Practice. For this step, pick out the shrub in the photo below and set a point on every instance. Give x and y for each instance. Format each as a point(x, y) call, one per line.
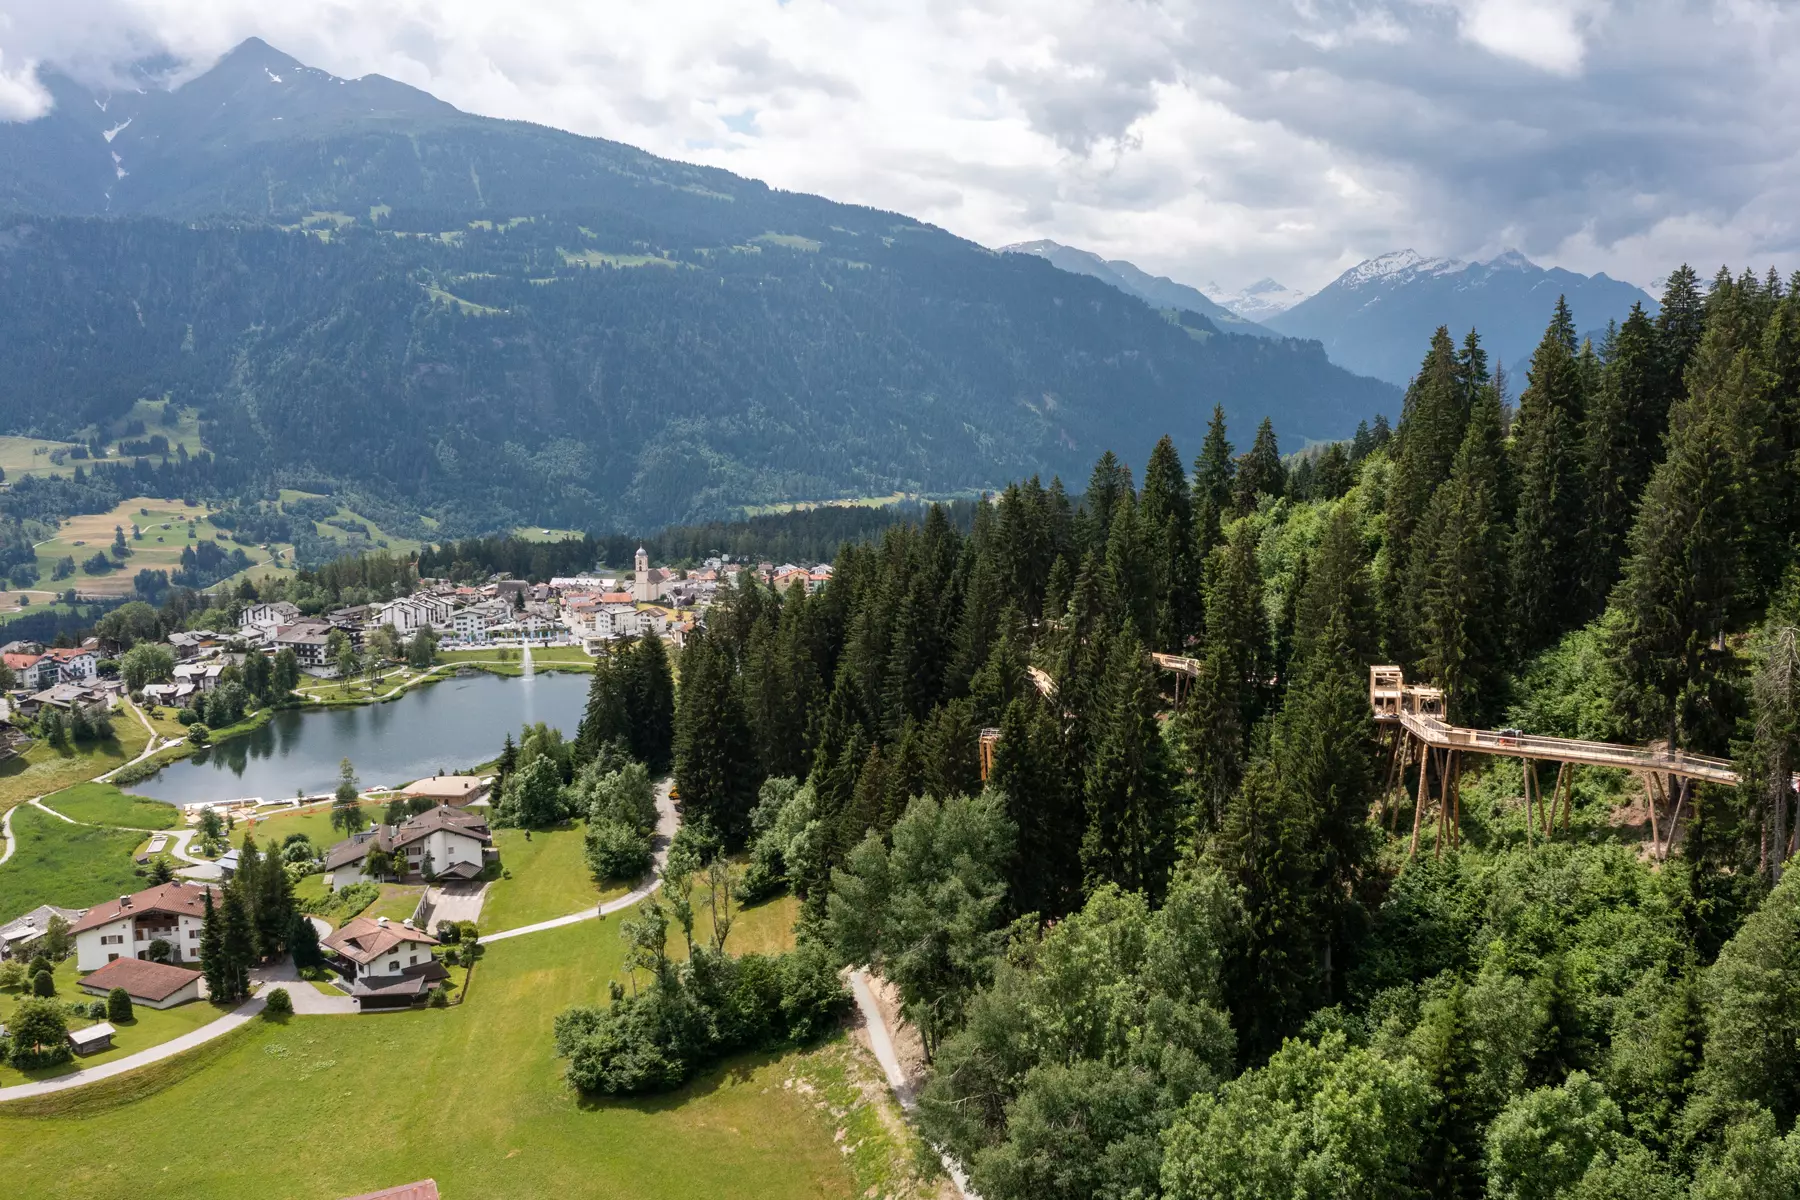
point(448, 932)
point(468, 931)
point(278, 1004)
point(186, 716)
point(95, 1011)
point(708, 1007)
point(40, 1035)
point(159, 951)
point(43, 983)
point(440, 996)
point(118, 1005)
point(198, 733)
point(12, 975)
point(615, 850)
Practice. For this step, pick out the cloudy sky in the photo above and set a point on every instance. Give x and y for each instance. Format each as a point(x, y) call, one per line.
point(1223, 140)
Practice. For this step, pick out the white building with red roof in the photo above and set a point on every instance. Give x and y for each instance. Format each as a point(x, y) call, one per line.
point(126, 927)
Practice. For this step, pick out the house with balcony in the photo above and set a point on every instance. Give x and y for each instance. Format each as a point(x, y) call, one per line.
point(442, 843)
point(387, 965)
point(129, 926)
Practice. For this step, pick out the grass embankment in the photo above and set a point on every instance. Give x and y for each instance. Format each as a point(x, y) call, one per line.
point(104, 804)
point(44, 768)
point(550, 878)
point(314, 821)
point(148, 1026)
point(486, 1066)
point(71, 866)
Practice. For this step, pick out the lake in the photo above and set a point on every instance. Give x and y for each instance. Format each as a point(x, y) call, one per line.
point(453, 725)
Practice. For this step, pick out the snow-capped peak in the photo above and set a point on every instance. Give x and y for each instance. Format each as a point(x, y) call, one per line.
point(1398, 264)
point(1510, 259)
point(1264, 298)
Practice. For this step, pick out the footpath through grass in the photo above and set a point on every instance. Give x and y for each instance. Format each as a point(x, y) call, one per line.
point(148, 1026)
point(323, 1107)
point(104, 804)
point(71, 866)
point(44, 768)
point(550, 878)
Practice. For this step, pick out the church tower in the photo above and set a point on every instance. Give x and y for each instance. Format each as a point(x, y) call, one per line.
point(640, 580)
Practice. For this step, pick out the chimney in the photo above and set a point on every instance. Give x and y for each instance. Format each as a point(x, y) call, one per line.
point(381, 921)
point(124, 901)
point(408, 923)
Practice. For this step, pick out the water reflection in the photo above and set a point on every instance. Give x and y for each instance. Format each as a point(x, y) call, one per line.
point(450, 725)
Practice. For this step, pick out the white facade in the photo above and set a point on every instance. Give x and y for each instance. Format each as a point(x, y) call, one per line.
point(127, 937)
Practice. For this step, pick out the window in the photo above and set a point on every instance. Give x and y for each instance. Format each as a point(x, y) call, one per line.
point(193, 934)
point(111, 957)
point(112, 939)
point(413, 961)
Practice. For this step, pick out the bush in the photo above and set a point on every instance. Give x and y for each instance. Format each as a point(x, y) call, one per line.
point(615, 850)
point(440, 996)
point(12, 975)
point(278, 1004)
point(40, 1035)
point(198, 733)
point(708, 1007)
point(95, 1011)
point(118, 1005)
point(186, 716)
point(468, 931)
point(159, 951)
point(448, 932)
point(43, 983)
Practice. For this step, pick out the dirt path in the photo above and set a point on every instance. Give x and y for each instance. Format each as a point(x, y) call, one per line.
point(881, 1044)
point(6, 828)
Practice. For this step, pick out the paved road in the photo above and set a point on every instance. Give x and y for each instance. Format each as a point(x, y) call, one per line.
point(666, 821)
point(458, 902)
point(187, 1041)
point(308, 1000)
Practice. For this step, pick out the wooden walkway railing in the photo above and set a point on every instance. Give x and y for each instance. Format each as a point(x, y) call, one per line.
point(1435, 732)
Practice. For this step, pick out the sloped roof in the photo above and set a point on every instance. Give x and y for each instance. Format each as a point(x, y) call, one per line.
point(178, 898)
point(424, 1189)
point(366, 938)
point(141, 978)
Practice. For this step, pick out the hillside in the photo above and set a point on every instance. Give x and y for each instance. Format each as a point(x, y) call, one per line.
point(1374, 317)
point(492, 323)
point(1158, 291)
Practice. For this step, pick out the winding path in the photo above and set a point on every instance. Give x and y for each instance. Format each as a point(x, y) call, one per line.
point(882, 1043)
point(667, 822)
point(6, 829)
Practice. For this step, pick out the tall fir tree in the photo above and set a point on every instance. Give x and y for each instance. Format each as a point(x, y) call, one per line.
point(237, 947)
point(1680, 321)
point(1462, 569)
point(1431, 429)
point(212, 941)
point(1167, 520)
point(1450, 1168)
point(1214, 725)
point(1130, 806)
point(1546, 552)
point(1044, 804)
point(1621, 443)
point(715, 759)
point(1259, 471)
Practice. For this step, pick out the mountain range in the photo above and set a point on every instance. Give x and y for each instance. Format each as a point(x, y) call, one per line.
point(1158, 291)
point(487, 322)
point(1377, 317)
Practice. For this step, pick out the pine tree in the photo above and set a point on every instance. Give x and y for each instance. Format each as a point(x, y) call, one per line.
point(237, 947)
point(1337, 587)
point(1214, 725)
point(1462, 564)
point(1681, 588)
point(715, 757)
point(1450, 1168)
point(650, 696)
point(1621, 441)
point(275, 908)
point(606, 718)
point(1260, 472)
point(212, 942)
point(1680, 320)
point(1431, 430)
point(1045, 875)
point(1546, 552)
point(1167, 519)
point(1215, 471)
point(1130, 812)
point(1109, 484)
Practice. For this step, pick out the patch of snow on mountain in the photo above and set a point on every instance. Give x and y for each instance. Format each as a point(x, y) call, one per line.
point(1264, 298)
point(115, 131)
point(273, 77)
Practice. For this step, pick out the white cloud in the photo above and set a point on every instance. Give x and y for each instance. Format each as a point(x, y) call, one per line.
point(1206, 139)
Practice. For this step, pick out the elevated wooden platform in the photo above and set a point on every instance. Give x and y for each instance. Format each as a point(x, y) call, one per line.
point(1422, 737)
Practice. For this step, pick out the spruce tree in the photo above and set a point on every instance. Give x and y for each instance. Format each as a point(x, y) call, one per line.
point(237, 947)
point(1621, 442)
point(1680, 320)
point(1167, 520)
point(606, 718)
point(1260, 472)
point(1109, 484)
point(650, 694)
point(1462, 568)
point(1130, 811)
point(1045, 874)
point(1450, 1168)
point(715, 759)
point(1215, 473)
point(212, 957)
point(1546, 553)
point(274, 903)
point(1337, 586)
point(1431, 429)
point(1214, 725)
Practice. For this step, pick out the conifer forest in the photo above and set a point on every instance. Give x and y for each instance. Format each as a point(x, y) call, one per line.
point(1169, 934)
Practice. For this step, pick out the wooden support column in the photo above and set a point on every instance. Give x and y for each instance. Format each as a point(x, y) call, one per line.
point(1556, 792)
point(1681, 794)
point(1443, 808)
point(1419, 803)
point(1456, 799)
point(1569, 799)
point(1650, 795)
point(1529, 768)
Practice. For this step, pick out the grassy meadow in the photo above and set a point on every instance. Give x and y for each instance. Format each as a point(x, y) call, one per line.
point(322, 1107)
point(104, 804)
point(550, 878)
point(44, 768)
point(72, 866)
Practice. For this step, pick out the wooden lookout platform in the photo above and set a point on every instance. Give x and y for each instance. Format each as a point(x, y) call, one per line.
point(1412, 719)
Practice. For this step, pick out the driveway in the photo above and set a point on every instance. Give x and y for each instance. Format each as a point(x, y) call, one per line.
point(308, 1000)
point(458, 901)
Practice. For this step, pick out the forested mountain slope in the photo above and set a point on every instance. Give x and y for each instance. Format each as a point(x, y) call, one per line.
point(492, 322)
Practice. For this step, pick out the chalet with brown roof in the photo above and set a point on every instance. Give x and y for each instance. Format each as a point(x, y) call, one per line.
point(126, 927)
point(388, 965)
point(443, 842)
point(151, 984)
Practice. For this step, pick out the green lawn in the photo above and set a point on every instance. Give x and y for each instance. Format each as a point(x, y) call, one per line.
point(148, 1026)
point(104, 804)
point(44, 768)
point(550, 878)
point(74, 866)
point(471, 1096)
point(397, 901)
point(314, 822)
